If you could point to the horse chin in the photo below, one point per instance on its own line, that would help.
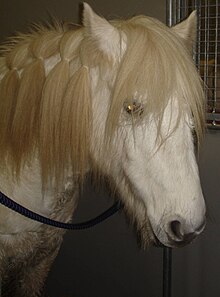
(157, 243)
(169, 242)
(155, 240)
(148, 237)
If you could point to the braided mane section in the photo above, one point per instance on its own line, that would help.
(44, 101)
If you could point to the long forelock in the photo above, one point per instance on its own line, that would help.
(156, 66)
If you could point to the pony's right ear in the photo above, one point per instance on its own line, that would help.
(187, 30)
(101, 31)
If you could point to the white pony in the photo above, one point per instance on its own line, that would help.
(121, 99)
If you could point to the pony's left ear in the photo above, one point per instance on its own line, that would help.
(187, 30)
(101, 31)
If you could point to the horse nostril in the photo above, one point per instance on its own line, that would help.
(175, 227)
(180, 234)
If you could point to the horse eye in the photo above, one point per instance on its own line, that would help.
(134, 108)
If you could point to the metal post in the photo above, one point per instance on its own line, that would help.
(167, 272)
(167, 252)
(169, 6)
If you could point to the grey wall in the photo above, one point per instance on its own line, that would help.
(15, 15)
(106, 261)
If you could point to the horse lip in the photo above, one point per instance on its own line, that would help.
(180, 243)
(174, 243)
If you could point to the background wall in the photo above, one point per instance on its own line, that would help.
(106, 261)
(15, 15)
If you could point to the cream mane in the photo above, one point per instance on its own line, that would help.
(50, 113)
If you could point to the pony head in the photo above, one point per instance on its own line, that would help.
(151, 106)
(122, 99)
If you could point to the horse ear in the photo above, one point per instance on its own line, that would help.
(99, 29)
(187, 30)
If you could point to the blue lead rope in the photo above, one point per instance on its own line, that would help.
(11, 204)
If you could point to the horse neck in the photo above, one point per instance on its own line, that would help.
(27, 189)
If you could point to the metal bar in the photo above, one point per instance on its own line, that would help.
(207, 50)
(213, 116)
(169, 13)
(167, 272)
(216, 53)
